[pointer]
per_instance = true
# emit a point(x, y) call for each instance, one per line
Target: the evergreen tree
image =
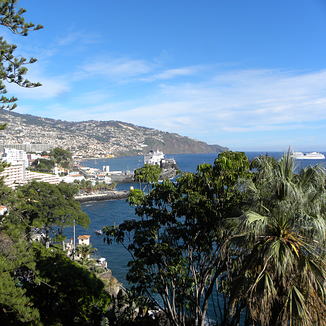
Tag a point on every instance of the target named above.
point(13, 67)
point(17, 268)
point(67, 293)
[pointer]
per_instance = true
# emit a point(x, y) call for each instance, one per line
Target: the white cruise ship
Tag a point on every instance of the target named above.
point(153, 157)
point(308, 156)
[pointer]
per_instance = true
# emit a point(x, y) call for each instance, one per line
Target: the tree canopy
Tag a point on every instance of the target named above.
point(42, 165)
point(69, 294)
point(61, 157)
point(40, 286)
point(49, 207)
point(148, 174)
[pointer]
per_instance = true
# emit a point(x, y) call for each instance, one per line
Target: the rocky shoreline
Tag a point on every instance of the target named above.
point(109, 195)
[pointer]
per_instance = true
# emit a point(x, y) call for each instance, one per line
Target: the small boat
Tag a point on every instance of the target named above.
point(308, 156)
point(99, 232)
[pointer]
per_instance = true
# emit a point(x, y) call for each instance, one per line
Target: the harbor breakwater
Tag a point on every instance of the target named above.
point(108, 195)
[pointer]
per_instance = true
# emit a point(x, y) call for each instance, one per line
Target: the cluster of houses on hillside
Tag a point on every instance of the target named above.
point(18, 173)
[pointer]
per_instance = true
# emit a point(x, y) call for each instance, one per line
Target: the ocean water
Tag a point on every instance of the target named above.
point(113, 212)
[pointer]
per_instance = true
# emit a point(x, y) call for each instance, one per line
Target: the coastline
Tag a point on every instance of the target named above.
point(109, 195)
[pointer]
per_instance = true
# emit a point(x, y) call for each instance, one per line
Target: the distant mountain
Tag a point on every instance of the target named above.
point(96, 138)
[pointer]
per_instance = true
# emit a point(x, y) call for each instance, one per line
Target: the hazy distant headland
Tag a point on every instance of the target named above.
point(97, 138)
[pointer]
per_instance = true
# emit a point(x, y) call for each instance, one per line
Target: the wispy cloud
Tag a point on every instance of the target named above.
point(115, 68)
point(80, 37)
point(133, 70)
point(172, 73)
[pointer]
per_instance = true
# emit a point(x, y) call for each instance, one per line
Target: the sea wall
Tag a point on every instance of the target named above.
point(108, 195)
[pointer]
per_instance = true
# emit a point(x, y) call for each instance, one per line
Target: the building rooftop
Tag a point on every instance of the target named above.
point(84, 236)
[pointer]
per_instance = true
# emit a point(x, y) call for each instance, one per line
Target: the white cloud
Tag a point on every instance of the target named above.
point(115, 69)
point(73, 37)
point(51, 88)
point(135, 70)
point(172, 73)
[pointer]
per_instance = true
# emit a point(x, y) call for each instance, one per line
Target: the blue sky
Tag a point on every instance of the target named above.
point(250, 75)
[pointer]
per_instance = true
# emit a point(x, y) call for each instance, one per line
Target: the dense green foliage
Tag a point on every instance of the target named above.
point(280, 245)
point(84, 251)
point(177, 241)
point(69, 294)
point(61, 157)
point(42, 165)
point(44, 287)
point(40, 286)
point(249, 240)
point(49, 207)
point(148, 174)
point(17, 266)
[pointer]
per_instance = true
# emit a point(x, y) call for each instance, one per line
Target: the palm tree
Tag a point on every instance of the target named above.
point(279, 246)
point(84, 251)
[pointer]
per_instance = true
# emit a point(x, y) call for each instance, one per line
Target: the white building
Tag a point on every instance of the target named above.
point(3, 210)
point(13, 156)
point(32, 157)
point(14, 175)
point(153, 158)
point(28, 147)
point(106, 168)
point(41, 177)
point(73, 176)
point(84, 240)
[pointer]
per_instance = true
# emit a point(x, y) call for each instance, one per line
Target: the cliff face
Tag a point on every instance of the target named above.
point(94, 138)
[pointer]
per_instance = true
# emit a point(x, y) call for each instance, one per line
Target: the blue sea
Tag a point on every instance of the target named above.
point(113, 212)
